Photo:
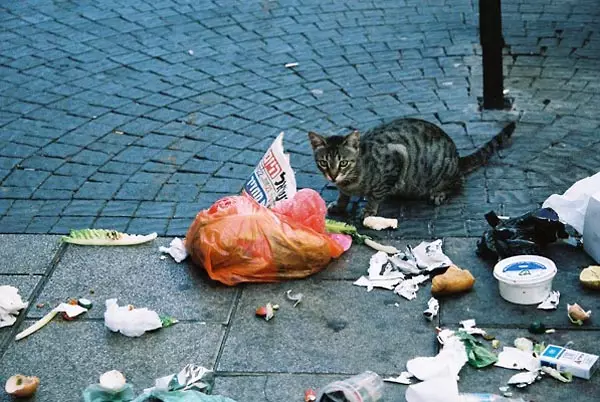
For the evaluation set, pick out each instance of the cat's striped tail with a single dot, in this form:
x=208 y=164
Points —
x=482 y=155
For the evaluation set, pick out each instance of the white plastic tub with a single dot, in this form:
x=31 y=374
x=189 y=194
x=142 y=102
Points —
x=525 y=279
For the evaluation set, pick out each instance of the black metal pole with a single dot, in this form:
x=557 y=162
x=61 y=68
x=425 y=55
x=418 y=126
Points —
x=490 y=32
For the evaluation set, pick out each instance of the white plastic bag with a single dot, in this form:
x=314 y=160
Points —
x=130 y=321
x=273 y=179
x=572 y=205
x=10 y=305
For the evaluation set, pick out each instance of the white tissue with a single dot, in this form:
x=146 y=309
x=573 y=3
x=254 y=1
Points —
x=10 y=305
x=130 y=322
x=176 y=249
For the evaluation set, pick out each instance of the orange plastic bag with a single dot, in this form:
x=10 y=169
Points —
x=237 y=240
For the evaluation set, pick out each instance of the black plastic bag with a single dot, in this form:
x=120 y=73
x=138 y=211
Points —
x=525 y=234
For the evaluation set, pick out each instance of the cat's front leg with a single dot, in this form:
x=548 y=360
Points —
x=339 y=207
x=372 y=207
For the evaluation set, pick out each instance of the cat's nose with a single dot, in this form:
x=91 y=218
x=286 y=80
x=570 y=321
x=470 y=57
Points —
x=333 y=176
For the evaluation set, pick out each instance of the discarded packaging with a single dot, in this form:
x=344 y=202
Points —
x=551 y=302
x=10 y=305
x=380 y=223
x=590 y=277
x=572 y=205
x=454 y=280
x=364 y=387
x=403 y=378
x=525 y=234
x=523 y=379
x=176 y=250
x=554 y=373
x=525 y=279
x=237 y=240
x=273 y=178
x=112 y=388
x=103 y=237
x=579 y=364
x=433 y=306
x=70 y=311
x=516 y=359
x=296 y=298
x=266 y=311
x=449 y=361
x=130 y=321
x=21 y=386
x=577 y=314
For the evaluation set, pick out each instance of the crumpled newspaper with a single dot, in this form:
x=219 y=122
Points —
x=176 y=249
x=430 y=256
x=551 y=302
x=130 y=321
x=10 y=305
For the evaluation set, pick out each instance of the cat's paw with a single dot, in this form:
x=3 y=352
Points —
x=335 y=209
x=438 y=198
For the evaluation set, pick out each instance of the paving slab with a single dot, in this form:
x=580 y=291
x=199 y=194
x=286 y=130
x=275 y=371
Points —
x=69 y=356
x=136 y=275
x=337 y=328
x=26 y=285
x=27 y=254
x=485 y=304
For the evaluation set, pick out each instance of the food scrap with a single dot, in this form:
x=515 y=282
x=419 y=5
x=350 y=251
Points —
x=454 y=280
x=590 y=277
x=297 y=298
x=68 y=312
x=113 y=381
x=577 y=315
x=21 y=386
x=380 y=223
x=310 y=395
x=267 y=311
x=103 y=237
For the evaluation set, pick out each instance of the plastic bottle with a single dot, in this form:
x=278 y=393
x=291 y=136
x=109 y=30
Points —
x=487 y=398
x=365 y=387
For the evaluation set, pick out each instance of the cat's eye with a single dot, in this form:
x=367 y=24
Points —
x=323 y=163
x=343 y=163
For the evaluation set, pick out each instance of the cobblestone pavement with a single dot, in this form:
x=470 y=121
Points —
x=135 y=114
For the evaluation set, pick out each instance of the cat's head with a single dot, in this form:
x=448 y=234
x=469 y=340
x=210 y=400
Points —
x=336 y=156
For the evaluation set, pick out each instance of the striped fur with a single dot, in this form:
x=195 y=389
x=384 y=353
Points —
x=406 y=157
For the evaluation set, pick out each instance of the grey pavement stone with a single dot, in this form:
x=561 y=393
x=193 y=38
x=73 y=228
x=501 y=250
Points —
x=100 y=350
x=25 y=254
x=337 y=312
x=181 y=290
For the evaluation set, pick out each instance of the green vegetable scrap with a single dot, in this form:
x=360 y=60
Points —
x=168 y=321
x=103 y=237
x=333 y=226
x=479 y=356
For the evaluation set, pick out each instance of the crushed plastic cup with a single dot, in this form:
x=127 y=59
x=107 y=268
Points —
x=364 y=387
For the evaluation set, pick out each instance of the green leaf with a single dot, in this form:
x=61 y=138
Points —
x=479 y=356
x=167 y=321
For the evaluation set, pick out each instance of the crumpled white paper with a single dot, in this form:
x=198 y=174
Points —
x=130 y=322
x=403 y=378
x=523 y=379
x=516 y=359
x=470 y=327
x=72 y=310
x=430 y=255
x=388 y=284
x=408 y=288
x=381 y=269
x=176 y=249
x=442 y=388
x=572 y=204
x=551 y=302
x=10 y=305
x=433 y=307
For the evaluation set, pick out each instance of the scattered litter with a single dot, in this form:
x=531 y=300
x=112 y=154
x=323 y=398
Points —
x=297 y=298
x=478 y=355
x=406 y=263
x=470 y=327
x=525 y=279
x=290 y=65
x=342 y=239
x=40 y=305
x=380 y=247
x=516 y=359
x=364 y=387
x=266 y=311
x=591 y=228
x=380 y=268
x=10 y=305
x=380 y=223
x=524 y=379
x=551 y=302
x=389 y=284
x=310 y=395
x=176 y=250
x=163 y=257
x=130 y=321
x=495 y=343
x=403 y=378
x=85 y=303
x=537 y=327
x=407 y=289
x=524 y=344
x=112 y=387
x=577 y=315
x=442 y=388
x=333 y=226
x=579 y=364
x=505 y=91
x=113 y=381
x=191 y=377
x=21 y=386
x=191 y=52
x=69 y=311
x=119 y=132
x=316 y=92
x=103 y=237
x=447 y=83
x=554 y=373
x=523 y=235
x=571 y=206
x=449 y=360
x=503 y=388
x=430 y=255
x=454 y=280
x=590 y=277
x=433 y=306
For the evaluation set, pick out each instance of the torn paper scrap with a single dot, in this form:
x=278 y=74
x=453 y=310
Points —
x=516 y=359
x=443 y=388
x=523 y=379
x=430 y=256
x=451 y=359
x=176 y=249
x=128 y=320
x=72 y=310
x=562 y=377
x=405 y=262
x=524 y=344
x=10 y=305
x=403 y=378
x=380 y=223
x=407 y=289
x=551 y=302
x=470 y=327
x=388 y=284
x=433 y=306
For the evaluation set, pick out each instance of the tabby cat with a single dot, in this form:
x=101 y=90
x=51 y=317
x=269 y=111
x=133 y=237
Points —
x=407 y=157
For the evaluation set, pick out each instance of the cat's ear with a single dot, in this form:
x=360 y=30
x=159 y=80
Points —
x=316 y=140
x=353 y=139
